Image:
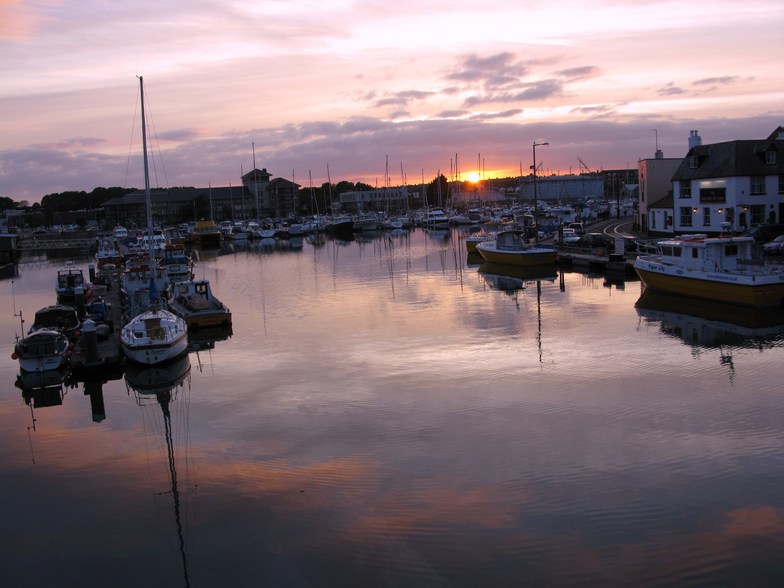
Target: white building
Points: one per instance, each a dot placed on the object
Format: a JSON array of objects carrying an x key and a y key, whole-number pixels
[{"x": 736, "y": 184}]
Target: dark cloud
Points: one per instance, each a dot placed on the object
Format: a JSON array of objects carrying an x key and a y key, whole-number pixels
[
  {"x": 356, "y": 149},
  {"x": 579, "y": 73},
  {"x": 531, "y": 92},
  {"x": 402, "y": 98},
  {"x": 670, "y": 90},
  {"x": 496, "y": 69},
  {"x": 721, "y": 81}
]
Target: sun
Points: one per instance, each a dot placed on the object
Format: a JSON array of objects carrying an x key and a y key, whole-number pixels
[{"x": 472, "y": 177}]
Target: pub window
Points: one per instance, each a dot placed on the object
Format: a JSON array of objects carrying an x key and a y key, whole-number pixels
[
  {"x": 685, "y": 186},
  {"x": 757, "y": 184},
  {"x": 686, "y": 216},
  {"x": 770, "y": 157}
]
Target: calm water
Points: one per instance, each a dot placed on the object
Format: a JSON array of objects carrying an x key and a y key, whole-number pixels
[{"x": 385, "y": 414}]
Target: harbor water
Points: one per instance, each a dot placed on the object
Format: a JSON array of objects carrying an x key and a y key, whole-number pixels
[{"x": 390, "y": 412}]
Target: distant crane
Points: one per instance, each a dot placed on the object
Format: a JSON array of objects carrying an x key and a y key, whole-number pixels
[{"x": 584, "y": 165}]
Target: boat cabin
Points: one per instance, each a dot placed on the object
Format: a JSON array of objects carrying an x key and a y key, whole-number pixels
[
  {"x": 510, "y": 241},
  {"x": 698, "y": 252}
]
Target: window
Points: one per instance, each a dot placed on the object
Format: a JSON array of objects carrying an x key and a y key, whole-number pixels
[
  {"x": 653, "y": 219},
  {"x": 770, "y": 157},
  {"x": 757, "y": 184},
  {"x": 686, "y": 216},
  {"x": 781, "y": 184},
  {"x": 695, "y": 253},
  {"x": 693, "y": 162},
  {"x": 730, "y": 250},
  {"x": 706, "y": 217},
  {"x": 757, "y": 214},
  {"x": 685, "y": 188}
]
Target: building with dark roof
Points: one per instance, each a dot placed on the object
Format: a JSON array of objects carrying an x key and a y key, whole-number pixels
[
  {"x": 259, "y": 195},
  {"x": 732, "y": 185}
]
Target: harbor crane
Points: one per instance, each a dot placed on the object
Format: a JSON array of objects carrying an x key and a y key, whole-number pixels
[{"x": 584, "y": 166}]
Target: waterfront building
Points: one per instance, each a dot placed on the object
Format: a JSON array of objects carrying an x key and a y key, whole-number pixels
[{"x": 731, "y": 185}]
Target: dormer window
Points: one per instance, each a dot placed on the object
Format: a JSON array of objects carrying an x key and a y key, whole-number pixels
[
  {"x": 770, "y": 157},
  {"x": 693, "y": 162}
]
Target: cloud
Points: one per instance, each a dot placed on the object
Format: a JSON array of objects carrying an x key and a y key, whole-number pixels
[
  {"x": 722, "y": 80},
  {"x": 579, "y": 73},
  {"x": 530, "y": 92},
  {"x": 670, "y": 90}
]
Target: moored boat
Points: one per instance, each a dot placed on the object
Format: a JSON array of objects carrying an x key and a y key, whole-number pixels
[
  {"x": 510, "y": 247},
  {"x": 155, "y": 335},
  {"x": 194, "y": 301},
  {"x": 42, "y": 350},
  {"x": 206, "y": 234},
  {"x": 716, "y": 268},
  {"x": 69, "y": 279}
]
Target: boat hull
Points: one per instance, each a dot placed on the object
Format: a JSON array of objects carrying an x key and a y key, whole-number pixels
[
  {"x": 746, "y": 290},
  {"x": 527, "y": 258}
]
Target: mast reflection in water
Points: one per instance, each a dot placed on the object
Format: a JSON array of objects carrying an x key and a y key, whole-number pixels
[{"x": 159, "y": 385}]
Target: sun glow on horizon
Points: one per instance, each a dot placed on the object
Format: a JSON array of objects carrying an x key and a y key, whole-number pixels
[{"x": 472, "y": 177}]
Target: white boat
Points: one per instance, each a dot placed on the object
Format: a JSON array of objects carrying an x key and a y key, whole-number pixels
[
  {"x": 718, "y": 268},
  {"x": 69, "y": 279},
  {"x": 237, "y": 233},
  {"x": 176, "y": 264},
  {"x": 194, "y": 301},
  {"x": 510, "y": 248},
  {"x": 366, "y": 222},
  {"x": 107, "y": 254},
  {"x": 435, "y": 219},
  {"x": 155, "y": 335},
  {"x": 42, "y": 350}
]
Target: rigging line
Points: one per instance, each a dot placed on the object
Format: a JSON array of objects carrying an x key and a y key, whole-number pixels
[
  {"x": 153, "y": 133},
  {"x": 133, "y": 130}
]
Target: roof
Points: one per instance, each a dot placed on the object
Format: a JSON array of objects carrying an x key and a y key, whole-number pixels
[{"x": 734, "y": 158}]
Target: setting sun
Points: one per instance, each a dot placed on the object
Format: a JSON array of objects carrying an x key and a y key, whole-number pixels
[{"x": 472, "y": 177}]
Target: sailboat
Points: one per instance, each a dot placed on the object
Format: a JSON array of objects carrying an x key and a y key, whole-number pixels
[{"x": 156, "y": 335}]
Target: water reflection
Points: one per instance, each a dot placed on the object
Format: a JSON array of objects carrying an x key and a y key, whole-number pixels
[
  {"x": 712, "y": 324},
  {"x": 159, "y": 385}
]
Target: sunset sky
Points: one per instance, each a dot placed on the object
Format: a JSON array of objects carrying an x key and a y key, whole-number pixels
[{"x": 348, "y": 86}]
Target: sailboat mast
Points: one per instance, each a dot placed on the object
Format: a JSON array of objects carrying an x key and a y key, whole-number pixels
[{"x": 147, "y": 195}]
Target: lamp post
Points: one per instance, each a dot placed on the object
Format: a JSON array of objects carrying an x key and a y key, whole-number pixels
[{"x": 536, "y": 203}]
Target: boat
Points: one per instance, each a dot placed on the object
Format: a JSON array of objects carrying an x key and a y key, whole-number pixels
[
  {"x": 510, "y": 248},
  {"x": 107, "y": 254},
  {"x": 156, "y": 335},
  {"x": 237, "y": 233},
  {"x": 69, "y": 279},
  {"x": 473, "y": 240},
  {"x": 340, "y": 225},
  {"x": 721, "y": 269},
  {"x": 206, "y": 235},
  {"x": 194, "y": 301},
  {"x": 57, "y": 316},
  {"x": 42, "y": 350},
  {"x": 176, "y": 263},
  {"x": 435, "y": 219}
]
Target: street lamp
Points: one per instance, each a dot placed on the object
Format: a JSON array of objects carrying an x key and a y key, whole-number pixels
[{"x": 536, "y": 204}]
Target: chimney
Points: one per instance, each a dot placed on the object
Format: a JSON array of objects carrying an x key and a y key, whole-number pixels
[{"x": 694, "y": 140}]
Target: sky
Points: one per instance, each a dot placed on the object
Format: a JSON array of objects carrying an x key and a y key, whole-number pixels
[{"x": 378, "y": 92}]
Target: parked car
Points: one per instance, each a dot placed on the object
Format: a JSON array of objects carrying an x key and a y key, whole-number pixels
[
  {"x": 567, "y": 237},
  {"x": 593, "y": 240},
  {"x": 765, "y": 233},
  {"x": 774, "y": 247},
  {"x": 578, "y": 227}
]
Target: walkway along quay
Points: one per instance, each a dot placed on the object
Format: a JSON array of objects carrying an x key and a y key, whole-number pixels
[{"x": 580, "y": 260}]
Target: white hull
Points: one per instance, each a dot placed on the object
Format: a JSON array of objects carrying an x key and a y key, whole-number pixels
[{"x": 154, "y": 337}]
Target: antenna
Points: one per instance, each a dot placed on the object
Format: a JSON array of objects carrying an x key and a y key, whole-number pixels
[{"x": 656, "y": 132}]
